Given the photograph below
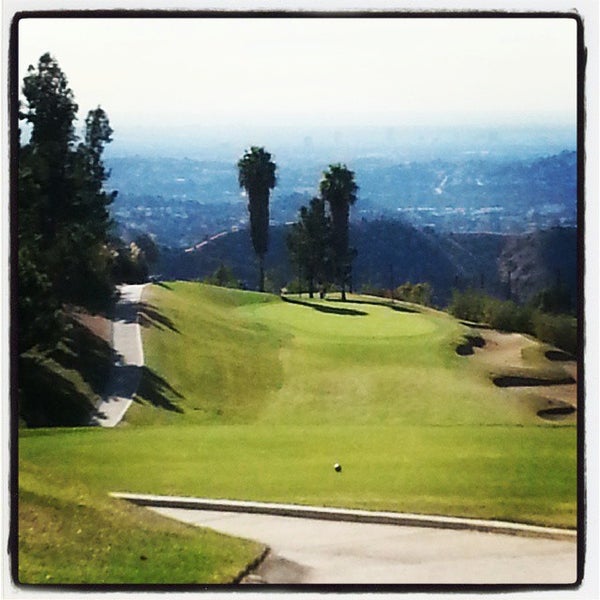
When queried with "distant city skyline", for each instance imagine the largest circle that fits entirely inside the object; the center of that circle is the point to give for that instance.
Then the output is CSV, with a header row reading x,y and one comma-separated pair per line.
x,y
293,72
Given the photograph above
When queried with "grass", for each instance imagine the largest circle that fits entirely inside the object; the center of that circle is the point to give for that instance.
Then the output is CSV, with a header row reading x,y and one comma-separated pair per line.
x,y
236,357
71,533
248,397
513,473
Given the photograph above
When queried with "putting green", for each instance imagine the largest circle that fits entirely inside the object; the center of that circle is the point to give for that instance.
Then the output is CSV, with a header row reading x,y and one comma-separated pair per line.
x,y
364,322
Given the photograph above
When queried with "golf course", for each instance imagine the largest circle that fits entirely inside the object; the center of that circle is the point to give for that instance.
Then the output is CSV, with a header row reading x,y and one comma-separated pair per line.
x,y
253,396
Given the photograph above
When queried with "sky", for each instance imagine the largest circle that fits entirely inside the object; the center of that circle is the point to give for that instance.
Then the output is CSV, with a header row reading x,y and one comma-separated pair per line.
x,y
235,73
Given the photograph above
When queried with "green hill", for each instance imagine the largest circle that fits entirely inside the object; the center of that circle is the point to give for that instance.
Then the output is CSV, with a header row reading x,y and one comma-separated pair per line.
x,y
246,396
242,357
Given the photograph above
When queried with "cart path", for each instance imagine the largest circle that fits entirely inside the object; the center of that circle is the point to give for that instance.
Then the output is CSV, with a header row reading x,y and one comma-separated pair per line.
x,y
125,374
314,551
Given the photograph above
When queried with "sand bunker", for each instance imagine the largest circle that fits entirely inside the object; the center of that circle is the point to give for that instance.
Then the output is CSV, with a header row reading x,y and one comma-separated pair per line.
x,y
519,381
503,353
556,411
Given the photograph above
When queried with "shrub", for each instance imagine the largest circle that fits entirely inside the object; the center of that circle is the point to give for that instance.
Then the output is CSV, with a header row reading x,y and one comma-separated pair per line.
x,y
223,277
507,316
418,293
468,305
558,330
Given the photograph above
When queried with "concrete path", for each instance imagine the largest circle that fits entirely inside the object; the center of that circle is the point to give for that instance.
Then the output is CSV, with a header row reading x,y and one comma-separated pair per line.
x,y
125,375
309,546
316,551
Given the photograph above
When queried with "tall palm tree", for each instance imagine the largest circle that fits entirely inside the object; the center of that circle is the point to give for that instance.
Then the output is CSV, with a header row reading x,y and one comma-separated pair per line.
x,y
339,190
256,174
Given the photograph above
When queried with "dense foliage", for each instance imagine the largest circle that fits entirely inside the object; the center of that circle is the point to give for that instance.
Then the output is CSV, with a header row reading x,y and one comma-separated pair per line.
x,y
65,258
309,245
557,329
223,277
63,221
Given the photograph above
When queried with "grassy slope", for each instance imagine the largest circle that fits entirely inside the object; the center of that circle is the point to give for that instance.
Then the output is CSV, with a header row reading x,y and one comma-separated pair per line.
x,y
272,394
72,533
232,357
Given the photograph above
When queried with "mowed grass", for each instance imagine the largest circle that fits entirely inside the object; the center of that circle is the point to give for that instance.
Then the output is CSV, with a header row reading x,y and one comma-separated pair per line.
x,y
513,473
74,533
248,397
242,357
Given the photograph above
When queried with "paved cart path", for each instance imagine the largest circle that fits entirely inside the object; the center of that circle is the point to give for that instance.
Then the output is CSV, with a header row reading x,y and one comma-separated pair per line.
x,y
125,374
318,551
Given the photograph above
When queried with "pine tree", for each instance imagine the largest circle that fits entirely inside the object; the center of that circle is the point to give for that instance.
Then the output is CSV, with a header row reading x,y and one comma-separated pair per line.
x,y
62,208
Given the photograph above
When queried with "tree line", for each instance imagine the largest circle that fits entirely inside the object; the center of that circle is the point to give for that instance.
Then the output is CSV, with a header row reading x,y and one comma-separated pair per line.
x,y
318,243
68,252
63,222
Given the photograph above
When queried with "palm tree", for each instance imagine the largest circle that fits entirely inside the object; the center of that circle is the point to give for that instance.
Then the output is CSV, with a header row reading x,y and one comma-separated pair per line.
x,y
256,174
339,189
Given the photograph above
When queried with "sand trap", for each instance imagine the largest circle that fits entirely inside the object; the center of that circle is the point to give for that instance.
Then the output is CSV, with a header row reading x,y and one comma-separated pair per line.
x,y
503,352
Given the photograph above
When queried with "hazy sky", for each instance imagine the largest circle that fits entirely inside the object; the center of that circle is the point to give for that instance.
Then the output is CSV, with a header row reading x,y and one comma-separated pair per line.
x,y
392,71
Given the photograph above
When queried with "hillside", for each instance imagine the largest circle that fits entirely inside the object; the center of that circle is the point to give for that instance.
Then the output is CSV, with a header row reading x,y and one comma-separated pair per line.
x,y
392,252
318,362
250,397
181,200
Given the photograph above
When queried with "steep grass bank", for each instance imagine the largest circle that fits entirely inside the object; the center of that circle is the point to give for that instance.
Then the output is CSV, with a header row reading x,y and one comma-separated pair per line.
x,y
71,532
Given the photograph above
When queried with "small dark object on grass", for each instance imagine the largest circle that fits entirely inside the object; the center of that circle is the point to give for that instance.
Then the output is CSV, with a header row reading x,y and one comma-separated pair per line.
x,y
337,467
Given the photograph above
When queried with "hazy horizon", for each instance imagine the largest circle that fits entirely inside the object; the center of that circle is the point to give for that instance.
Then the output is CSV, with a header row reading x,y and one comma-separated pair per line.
x,y
205,75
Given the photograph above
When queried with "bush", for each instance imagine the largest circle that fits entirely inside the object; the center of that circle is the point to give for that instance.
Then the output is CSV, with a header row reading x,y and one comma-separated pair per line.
x,y
558,330
223,277
468,305
507,316
418,293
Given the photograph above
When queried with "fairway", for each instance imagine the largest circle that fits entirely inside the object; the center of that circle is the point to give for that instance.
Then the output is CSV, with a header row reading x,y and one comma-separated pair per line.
x,y
248,397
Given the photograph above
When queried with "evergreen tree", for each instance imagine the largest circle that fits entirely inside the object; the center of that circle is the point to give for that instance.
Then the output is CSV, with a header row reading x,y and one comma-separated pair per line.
x,y
309,243
62,216
256,174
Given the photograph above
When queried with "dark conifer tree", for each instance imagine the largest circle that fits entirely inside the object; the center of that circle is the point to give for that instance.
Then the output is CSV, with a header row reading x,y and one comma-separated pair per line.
x,y
62,216
309,243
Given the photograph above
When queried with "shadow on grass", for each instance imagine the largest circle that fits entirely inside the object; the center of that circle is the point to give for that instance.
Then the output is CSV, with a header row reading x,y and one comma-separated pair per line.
x,y
60,386
150,316
144,313
397,307
162,284
326,309
475,325
51,395
155,390
83,351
